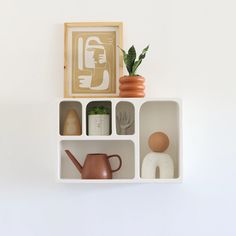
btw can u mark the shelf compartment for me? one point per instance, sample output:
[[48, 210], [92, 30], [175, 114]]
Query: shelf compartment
[[106, 104], [162, 116], [125, 115], [65, 107], [80, 148]]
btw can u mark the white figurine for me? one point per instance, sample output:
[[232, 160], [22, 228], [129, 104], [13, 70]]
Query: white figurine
[[158, 143]]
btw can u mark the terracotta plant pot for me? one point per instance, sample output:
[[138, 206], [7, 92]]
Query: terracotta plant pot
[[132, 86]]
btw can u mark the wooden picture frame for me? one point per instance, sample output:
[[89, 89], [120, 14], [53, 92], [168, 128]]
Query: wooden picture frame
[[92, 60]]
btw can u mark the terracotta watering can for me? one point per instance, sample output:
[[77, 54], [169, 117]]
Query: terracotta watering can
[[96, 165]]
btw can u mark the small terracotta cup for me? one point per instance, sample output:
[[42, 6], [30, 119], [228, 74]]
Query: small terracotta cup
[[132, 86]]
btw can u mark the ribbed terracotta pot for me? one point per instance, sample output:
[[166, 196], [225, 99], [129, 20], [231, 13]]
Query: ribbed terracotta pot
[[132, 86]]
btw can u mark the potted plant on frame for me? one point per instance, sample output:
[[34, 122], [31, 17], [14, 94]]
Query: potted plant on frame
[[99, 121], [133, 84]]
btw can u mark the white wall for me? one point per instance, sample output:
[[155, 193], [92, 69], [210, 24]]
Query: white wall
[[192, 56]]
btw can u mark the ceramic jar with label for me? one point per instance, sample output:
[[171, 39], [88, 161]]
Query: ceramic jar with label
[[99, 124]]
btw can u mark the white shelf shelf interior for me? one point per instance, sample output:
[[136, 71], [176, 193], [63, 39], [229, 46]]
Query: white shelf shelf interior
[[149, 115], [80, 148], [160, 116], [65, 106]]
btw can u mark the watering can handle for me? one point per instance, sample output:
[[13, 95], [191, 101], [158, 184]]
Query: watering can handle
[[120, 162]]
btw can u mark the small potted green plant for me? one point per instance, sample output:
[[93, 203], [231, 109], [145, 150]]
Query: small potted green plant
[[99, 120], [132, 85]]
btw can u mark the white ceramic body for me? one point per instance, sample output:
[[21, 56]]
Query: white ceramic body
[[161, 160], [99, 124]]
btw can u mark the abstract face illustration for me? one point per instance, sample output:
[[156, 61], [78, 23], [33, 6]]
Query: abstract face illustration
[[93, 62]]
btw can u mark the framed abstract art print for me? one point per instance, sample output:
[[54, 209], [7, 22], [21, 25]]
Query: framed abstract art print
[[92, 59]]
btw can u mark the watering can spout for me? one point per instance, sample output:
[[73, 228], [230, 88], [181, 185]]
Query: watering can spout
[[74, 160]]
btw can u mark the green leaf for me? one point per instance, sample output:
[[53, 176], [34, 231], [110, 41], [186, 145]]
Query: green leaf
[[139, 61], [143, 54], [99, 110], [92, 113], [135, 66], [124, 55], [131, 59], [132, 53]]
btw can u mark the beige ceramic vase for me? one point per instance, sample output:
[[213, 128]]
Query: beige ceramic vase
[[132, 86], [72, 124]]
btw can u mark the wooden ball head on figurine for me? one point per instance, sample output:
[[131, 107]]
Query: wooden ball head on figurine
[[158, 143]]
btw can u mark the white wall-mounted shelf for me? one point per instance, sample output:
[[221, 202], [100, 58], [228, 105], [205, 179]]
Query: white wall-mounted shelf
[[150, 115]]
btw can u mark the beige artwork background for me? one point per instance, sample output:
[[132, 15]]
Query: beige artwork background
[[108, 42]]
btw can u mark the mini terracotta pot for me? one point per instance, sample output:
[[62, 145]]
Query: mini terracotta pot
[[132, 86]]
